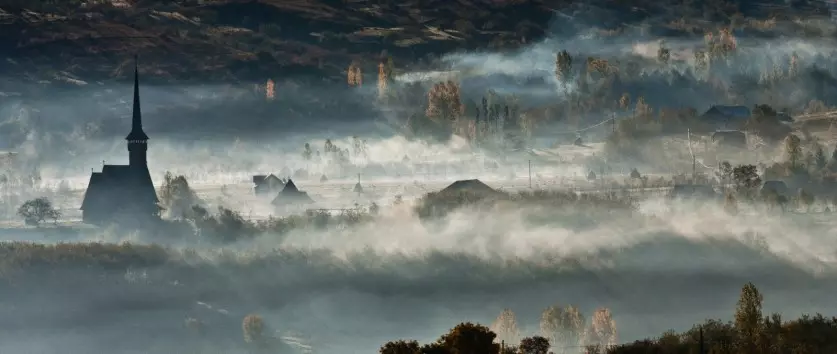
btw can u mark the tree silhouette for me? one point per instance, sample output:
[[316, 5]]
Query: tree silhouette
[[534, 345], [793, 150], [563, 67], [400, 347], [470, 338], [37, 210]]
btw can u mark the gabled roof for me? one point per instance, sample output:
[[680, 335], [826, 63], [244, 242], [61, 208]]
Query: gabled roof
[[290, 187], [291, 195]]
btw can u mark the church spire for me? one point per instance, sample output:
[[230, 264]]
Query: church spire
[[136, 122]]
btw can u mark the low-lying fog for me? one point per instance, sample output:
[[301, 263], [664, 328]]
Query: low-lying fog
[[353, 289]]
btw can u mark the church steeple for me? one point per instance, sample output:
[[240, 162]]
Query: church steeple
[[137, 139]]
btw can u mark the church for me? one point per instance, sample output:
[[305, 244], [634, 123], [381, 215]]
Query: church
[[124, 192]]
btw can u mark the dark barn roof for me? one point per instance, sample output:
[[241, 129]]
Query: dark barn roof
[[723, 115], [729, 111], [470, 185]]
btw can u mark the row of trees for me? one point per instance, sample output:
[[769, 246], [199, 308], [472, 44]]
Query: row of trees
[[750, 332]]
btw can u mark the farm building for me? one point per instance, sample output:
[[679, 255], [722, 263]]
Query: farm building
[[269, 184], [291, 195]]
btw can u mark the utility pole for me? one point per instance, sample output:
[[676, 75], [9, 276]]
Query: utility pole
[[613, 122], [694, 161]]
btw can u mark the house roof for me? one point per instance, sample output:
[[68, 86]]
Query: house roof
[[729, 111], [290, 187], [291, 195], [469, 185]]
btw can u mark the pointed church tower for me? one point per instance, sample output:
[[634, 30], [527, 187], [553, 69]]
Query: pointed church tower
[[137, 140]]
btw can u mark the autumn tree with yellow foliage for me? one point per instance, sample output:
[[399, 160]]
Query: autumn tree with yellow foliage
[[354, 74]]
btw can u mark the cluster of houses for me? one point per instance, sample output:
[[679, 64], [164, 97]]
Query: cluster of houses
[[127, 193]]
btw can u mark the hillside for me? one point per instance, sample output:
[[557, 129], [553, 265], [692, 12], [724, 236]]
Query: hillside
[[229, 41], [78, 42]]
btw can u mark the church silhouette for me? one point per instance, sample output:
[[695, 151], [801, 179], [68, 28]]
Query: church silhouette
[[124, 192]]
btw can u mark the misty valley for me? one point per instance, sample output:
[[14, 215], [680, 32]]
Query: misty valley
[[470, 177]]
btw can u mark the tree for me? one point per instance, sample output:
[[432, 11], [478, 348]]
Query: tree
[[819, 158], [534, 345], [724, 173], [354, 74], [37, 210], [444, 102], [748, 319], [306, 152], [793, 150], [400, 347], [625, 101], [505, 326], [470, 338], [746, 178], [176, 196], [253, 328], [329, 147], [385, 67], [635, 174], [563, 67], [562, 327], [602, 329], [642, 109], [663, 54]]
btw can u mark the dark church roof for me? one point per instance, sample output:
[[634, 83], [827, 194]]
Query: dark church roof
[[136, 120], [119, 184], [291, 195]]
